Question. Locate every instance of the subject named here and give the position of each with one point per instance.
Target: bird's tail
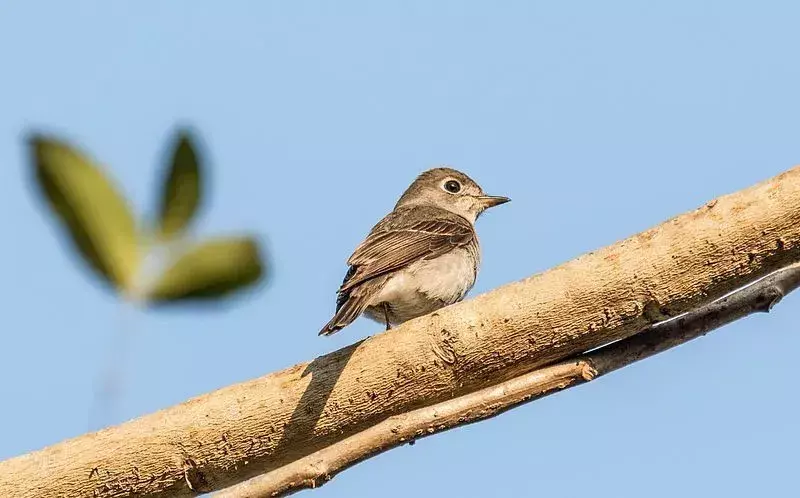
(349, 310)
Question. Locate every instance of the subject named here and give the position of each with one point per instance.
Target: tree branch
(247, 429)
(320, 467)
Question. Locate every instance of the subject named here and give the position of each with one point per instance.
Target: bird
(422, 256)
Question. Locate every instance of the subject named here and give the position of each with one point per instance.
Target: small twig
(318, 468)
(760, 296)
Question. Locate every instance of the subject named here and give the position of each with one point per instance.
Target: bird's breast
(448, 277)
(428, 285)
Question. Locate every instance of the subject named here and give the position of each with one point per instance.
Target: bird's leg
(386, 315)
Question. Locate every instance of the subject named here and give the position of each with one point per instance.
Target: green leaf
(97, 217)
(209, 271)
(182, 190)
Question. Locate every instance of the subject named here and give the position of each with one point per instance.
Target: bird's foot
(386, 315)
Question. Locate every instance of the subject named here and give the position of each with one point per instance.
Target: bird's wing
(403, 238)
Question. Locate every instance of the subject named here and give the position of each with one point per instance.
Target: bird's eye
(452, 186)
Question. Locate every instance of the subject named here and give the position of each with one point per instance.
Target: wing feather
(403, 238)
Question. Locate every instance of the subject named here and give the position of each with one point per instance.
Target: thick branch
(320, 467)
(244, 430)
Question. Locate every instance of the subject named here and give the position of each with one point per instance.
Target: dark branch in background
(318, 468)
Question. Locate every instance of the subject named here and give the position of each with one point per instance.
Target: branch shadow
(325, 372)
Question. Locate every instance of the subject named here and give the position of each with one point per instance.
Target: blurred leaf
(182, 190)
(96, 215)
(210, 270)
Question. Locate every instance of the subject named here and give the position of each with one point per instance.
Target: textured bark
(237, 432)
(320, 467)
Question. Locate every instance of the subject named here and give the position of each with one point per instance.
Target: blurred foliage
(209, 270)
(97, 217)
(182, 188)
(102, 228)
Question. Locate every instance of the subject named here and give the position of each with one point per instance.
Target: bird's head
(452, 190)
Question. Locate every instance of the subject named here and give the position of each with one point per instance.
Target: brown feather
(352, 305)
(401, 239)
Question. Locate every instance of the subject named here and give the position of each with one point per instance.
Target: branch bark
(320, 467)
(235, 433)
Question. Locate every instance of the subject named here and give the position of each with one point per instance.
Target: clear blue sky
(599, 119)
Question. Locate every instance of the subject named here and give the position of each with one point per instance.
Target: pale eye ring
(452, 186)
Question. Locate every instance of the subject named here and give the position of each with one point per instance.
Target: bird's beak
(492, 200)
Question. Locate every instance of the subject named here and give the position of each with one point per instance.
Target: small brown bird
(422, 256)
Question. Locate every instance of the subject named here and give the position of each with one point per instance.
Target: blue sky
(599, 119)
